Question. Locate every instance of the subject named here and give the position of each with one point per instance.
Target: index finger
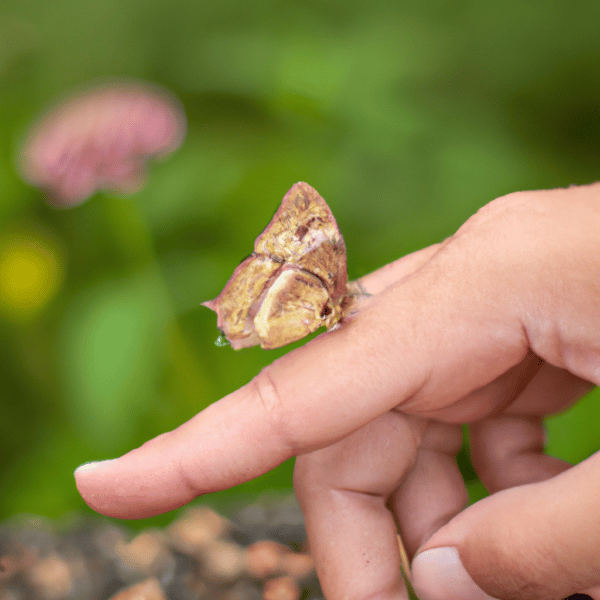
(298, 403)
(241, 436)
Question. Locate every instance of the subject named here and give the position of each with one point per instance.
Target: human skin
(495, 327)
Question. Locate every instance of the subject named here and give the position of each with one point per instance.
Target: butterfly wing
(304, 232)
(293, 283)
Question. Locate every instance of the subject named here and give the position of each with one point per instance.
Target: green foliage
(407, 117)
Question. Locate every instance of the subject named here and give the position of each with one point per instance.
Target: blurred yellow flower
(31, 272)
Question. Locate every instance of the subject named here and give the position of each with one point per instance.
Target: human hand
(495, 327)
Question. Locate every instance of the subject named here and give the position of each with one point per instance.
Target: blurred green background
(407, 117)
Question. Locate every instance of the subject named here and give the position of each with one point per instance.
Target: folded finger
(343, 490)
(434, 491)
(508, 449)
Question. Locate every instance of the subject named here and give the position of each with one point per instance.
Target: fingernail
(439, 574)
(92, 465)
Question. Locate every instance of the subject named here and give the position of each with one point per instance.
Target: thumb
(532, 542)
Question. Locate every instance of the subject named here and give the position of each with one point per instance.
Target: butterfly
(294, 282)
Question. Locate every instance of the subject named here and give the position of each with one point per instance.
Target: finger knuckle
(274, 406)
(505, 208)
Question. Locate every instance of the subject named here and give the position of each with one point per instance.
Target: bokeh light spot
(31, 272)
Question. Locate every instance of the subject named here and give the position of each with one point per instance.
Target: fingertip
(92, 466)
(84, 480)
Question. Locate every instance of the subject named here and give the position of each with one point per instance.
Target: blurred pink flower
(101, 139)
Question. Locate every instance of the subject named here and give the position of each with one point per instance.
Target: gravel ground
(258, 554)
